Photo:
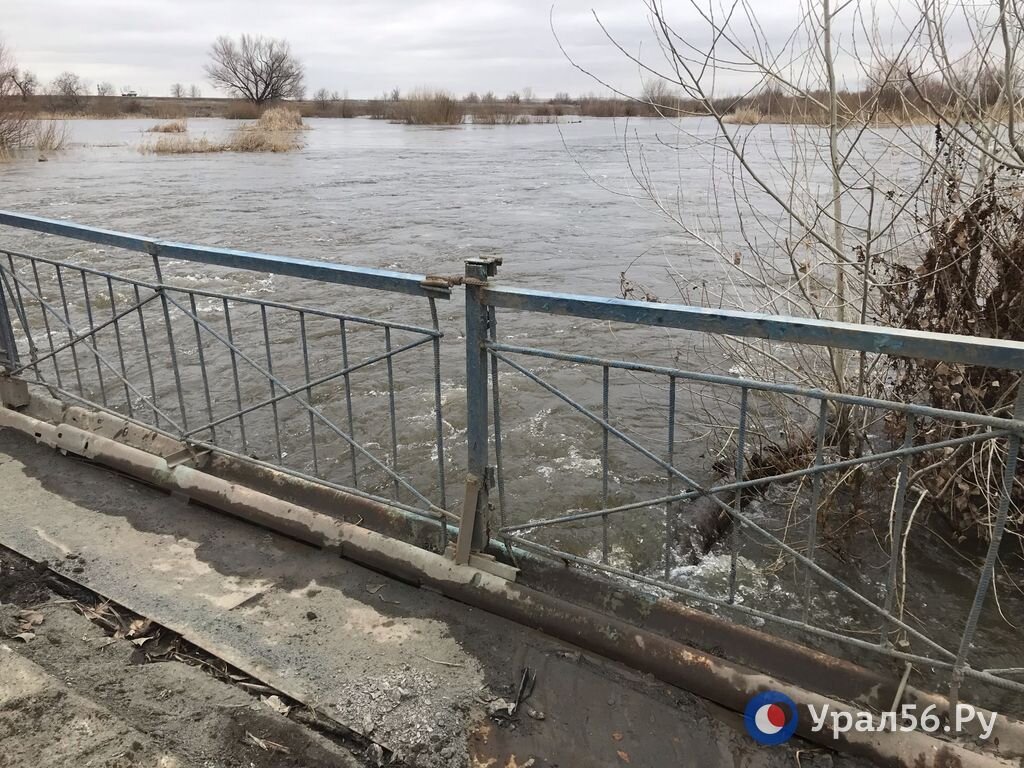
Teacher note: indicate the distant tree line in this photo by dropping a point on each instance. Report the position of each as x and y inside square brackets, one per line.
[261, 70]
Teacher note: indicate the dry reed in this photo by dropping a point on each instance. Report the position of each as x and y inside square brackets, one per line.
[743, 116]
[276, 130]
[183, 145]
[281, 119]
[174, 126]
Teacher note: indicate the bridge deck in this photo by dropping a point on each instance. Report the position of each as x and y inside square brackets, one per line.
[407, 668]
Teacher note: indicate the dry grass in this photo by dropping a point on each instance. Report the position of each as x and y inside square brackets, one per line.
[174, 126]
[743, 116]
[246, 140]
[258, 139]
[281, 119]
[277, 130]
[242, 110]
[182, 145]
[165, 111]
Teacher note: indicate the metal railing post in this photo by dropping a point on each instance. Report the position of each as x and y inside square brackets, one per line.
[473, 529]
[995, 540]
[8, 345]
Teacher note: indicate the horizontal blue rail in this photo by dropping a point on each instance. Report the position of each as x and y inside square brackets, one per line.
[994, 353]
[950, 348]
[322, 271]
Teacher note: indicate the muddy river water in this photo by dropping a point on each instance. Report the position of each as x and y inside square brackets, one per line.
[560, 206]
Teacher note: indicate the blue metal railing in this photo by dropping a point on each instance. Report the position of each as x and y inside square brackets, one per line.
[324, 272]
[972, 429]
[205, 367]
[161, 314]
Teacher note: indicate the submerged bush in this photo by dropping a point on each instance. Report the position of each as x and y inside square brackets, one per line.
[15, 132]
[50, 135]
[431, 108]
[19, 133]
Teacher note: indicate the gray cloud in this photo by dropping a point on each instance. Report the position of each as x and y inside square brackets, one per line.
[360, 46]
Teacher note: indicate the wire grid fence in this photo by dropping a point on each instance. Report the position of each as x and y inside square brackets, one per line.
[313, 392]
[627, 503]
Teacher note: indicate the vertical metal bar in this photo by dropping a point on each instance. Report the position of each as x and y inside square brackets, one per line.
[496, 409]
[734, 537]
[149, 360]
[812, 521]
[473, 533]
[71, 330]
[170, 341]
[669, 522]
[234, 376]
[273, 387]
[391, 410]
[8, 344]
[22, 312]
[348, 404]
[439, 424]
[987, 571]
[605, 544]
[202, 364]
[309, 391]
[120, 347]
[46, 324]
[95, 340]
[19, 310]
[896, 534]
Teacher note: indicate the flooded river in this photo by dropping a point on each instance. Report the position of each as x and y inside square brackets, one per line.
[560, 205]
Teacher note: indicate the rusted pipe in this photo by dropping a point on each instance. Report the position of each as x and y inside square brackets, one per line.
[723, 682]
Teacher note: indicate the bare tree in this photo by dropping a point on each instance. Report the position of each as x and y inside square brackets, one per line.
[256, 68]
[8, 68]
[178, 91]
[15, 128]
[899, 202]
[105, 88]
[194, 92]
[70, 90]
[14, 80]
[26, 82]
[322, 97]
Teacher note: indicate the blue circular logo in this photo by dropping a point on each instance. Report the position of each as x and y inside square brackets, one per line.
[770, 718]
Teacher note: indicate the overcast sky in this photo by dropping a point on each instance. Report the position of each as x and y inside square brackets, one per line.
[359, 46]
